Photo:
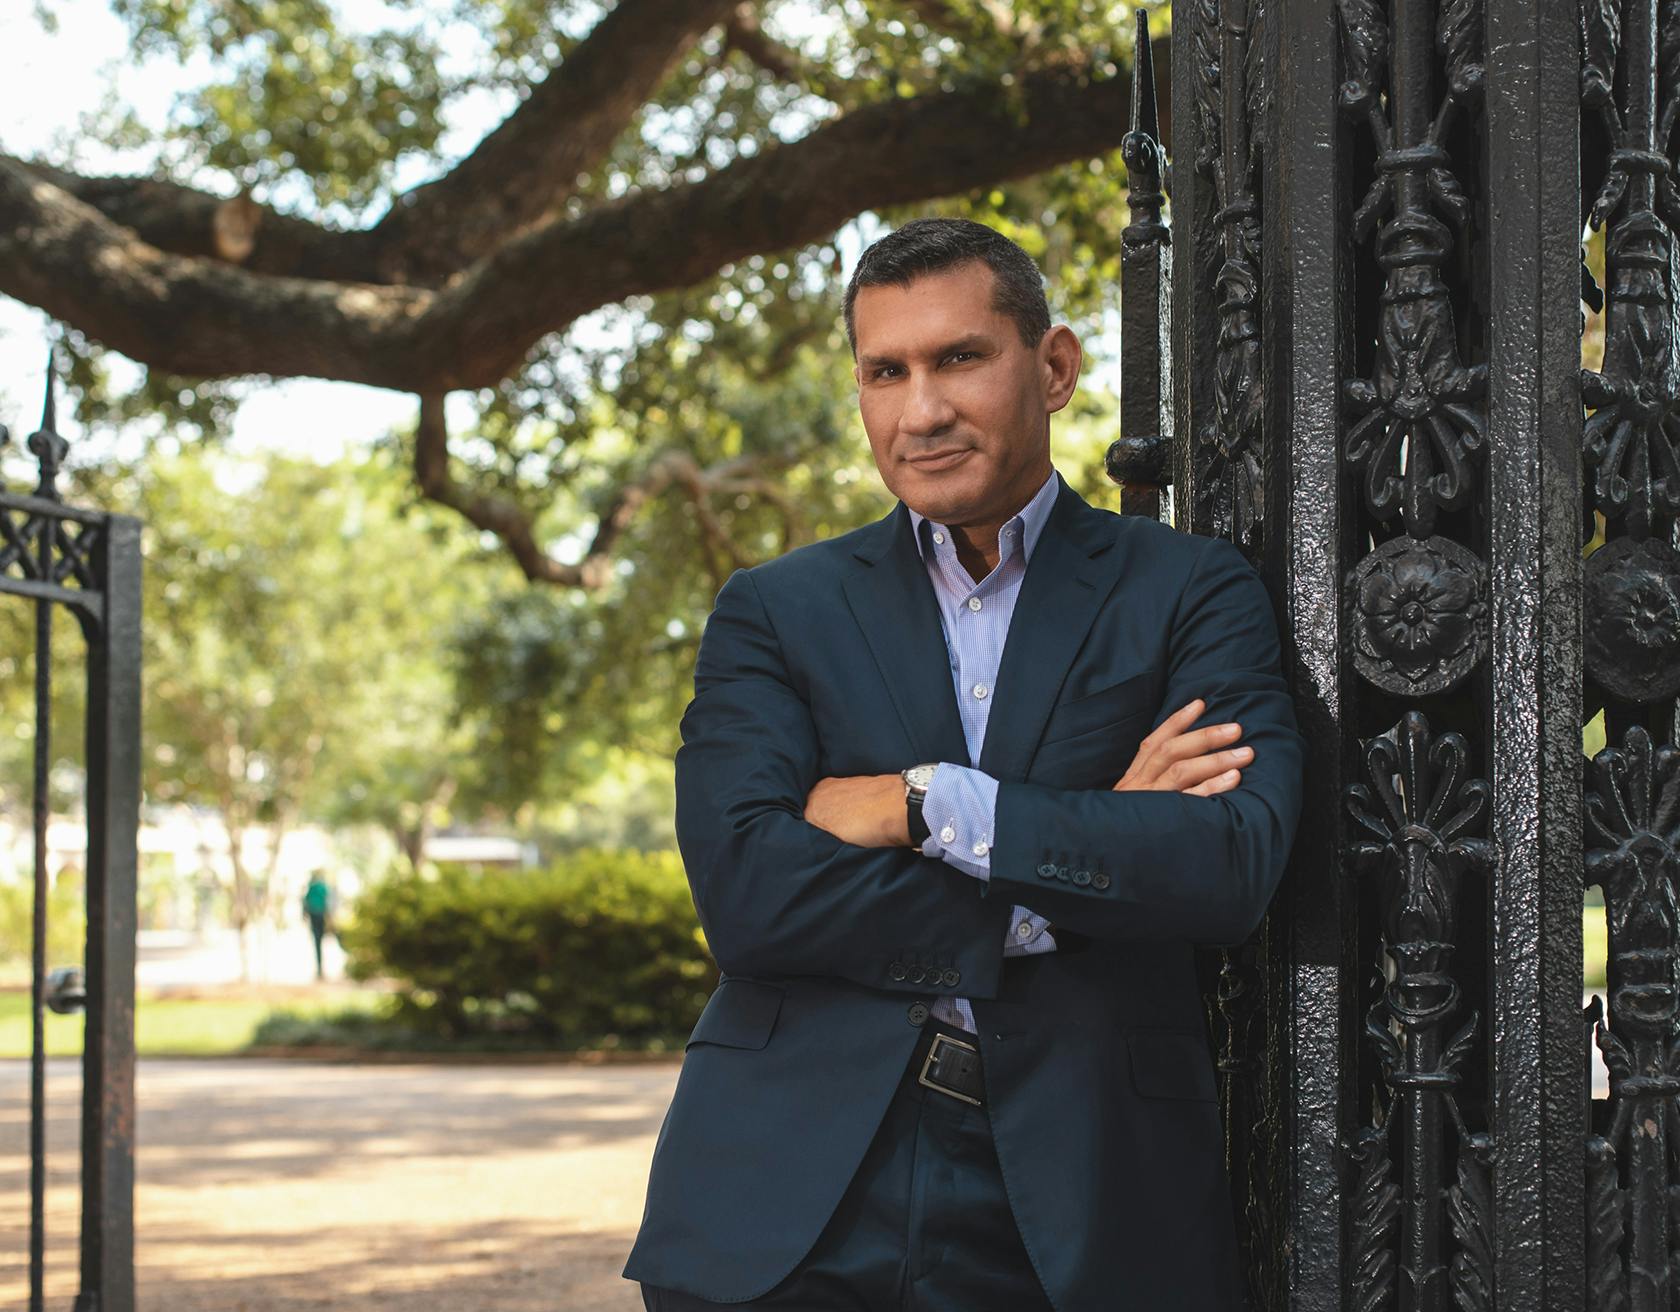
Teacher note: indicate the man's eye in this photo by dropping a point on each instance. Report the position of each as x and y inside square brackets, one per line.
[957, 355]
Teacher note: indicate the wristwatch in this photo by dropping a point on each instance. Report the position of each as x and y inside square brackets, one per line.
[916, 781]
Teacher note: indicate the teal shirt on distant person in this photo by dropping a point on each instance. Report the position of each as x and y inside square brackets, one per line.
[316, 898]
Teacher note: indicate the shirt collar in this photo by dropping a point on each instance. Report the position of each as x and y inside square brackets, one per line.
[1028, 521]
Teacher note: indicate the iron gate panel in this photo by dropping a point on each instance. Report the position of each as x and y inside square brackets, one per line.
[1377, 392]
[89, 562]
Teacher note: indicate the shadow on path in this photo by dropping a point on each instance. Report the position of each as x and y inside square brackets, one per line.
[270, 1186]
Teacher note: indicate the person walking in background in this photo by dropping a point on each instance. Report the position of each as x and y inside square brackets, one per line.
[318, 906]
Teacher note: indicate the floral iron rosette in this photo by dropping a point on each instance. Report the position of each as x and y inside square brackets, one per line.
[1419, 621]
[1632, 606]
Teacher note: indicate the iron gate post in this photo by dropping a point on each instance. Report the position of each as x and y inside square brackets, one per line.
[1376, 214]
[113, 801]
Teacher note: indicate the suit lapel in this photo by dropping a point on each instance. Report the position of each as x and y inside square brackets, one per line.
[895, 606]
[1070, 573]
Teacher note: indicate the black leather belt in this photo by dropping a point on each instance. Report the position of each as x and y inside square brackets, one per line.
[952, 1066]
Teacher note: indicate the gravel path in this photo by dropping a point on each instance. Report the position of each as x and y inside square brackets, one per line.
[279, 1186]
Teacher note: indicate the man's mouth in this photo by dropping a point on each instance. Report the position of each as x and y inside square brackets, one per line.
[940, 459]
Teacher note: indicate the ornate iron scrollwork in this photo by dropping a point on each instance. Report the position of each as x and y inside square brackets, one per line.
[1633, 854]
[1632, 622]
[1421, 417]
[1138, 460]
[1632, 437]
[41, 540]
[1417, 602]
[1231, 91]
[1420, 818]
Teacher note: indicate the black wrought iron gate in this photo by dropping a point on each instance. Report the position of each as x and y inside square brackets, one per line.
[1376, 375]
[89, 562]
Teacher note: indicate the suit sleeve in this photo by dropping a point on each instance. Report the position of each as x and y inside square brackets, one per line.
[777, 895]
[1119, 865]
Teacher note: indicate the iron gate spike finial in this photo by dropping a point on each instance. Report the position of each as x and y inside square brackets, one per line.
[49, 410]
[48, 447]
[1144, 118]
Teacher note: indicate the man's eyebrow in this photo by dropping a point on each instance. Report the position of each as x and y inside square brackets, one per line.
[968, 342]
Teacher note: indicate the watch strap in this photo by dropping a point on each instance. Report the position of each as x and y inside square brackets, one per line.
[919, 830]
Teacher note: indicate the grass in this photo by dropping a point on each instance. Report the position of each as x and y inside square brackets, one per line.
[207, 1026]
[225, 1023]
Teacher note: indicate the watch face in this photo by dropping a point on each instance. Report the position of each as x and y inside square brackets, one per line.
[920, 776]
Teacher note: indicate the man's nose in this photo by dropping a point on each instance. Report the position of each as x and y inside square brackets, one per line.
[927, 410]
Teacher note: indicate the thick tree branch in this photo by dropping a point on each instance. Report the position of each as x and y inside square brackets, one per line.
[520, 174]
[526, 168]
[198, 318]
[511, 522]
[179, 220]
[64, 257]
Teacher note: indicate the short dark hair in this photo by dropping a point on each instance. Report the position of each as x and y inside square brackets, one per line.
[930, 245]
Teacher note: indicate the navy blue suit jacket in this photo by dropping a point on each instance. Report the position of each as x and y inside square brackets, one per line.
[1099, 1080]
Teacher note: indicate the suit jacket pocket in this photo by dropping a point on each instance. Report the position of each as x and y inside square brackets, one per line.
[739, 1014]
[1171, 1063]
[1114, 704]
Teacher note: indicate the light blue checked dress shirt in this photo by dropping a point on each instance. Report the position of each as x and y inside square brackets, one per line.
[961, 801]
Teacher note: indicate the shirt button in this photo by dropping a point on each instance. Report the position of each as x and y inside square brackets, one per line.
[980, 690]
[1023, 929]
[980, 849]
[939, 538]
[974, 603]
[947, 835]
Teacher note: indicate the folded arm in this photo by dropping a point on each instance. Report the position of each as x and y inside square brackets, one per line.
[777, 895]
[1165, 864]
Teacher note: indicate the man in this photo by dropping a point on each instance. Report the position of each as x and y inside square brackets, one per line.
[957, 1058]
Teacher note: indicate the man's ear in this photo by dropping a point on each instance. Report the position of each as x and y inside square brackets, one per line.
[1060, 356]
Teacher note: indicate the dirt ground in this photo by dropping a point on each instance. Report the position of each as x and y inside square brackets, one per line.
[280, 1186]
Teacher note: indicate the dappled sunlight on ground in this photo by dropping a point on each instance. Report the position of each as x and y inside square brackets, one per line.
[278, 1186]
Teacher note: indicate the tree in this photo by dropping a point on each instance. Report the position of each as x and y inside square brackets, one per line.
[665, 188]
[296, 667]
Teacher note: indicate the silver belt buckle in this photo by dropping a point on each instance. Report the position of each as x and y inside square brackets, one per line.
[927, 1064]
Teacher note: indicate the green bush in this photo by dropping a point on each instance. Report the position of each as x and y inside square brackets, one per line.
[66, 922]
[602, 946]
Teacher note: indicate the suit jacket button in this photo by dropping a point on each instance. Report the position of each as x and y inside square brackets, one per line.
[917, 974]
[1082, 877]
[896, 970]
[1062, 873]
[953, 977]
[918, 1013]
[1047, 871]
[1099, 881]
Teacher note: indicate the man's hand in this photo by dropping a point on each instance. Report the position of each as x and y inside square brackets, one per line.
[1201, 762]
[866, 810]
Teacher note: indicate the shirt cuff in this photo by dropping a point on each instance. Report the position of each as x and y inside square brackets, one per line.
[958, 808]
